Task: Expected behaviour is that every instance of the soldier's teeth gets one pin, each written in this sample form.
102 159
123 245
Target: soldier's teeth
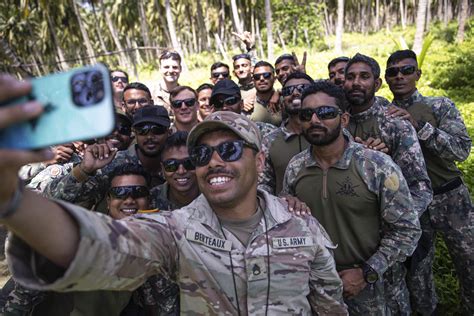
129 210
182 180
219 180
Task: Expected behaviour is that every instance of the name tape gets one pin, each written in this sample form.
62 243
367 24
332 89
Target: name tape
211 242
289 242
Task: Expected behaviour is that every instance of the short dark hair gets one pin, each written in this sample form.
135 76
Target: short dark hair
328 88
263 63
298 75
337 60
136 86
169 54
219 64
175 140
284 57
129 169
360 58
178 89
204 86
401 54
119 70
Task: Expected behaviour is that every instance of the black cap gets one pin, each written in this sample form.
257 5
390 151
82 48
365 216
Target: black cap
225 87
152 114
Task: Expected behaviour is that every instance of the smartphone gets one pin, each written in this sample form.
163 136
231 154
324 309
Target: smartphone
78 105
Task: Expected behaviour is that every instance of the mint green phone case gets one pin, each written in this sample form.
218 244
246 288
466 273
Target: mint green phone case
63 120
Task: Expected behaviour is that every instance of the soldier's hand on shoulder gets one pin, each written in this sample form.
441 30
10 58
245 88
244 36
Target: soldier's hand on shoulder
353 282
296 206
373 143
273 104
97 156
394 111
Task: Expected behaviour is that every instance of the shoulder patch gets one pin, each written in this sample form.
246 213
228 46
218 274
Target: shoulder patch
392 182
54 171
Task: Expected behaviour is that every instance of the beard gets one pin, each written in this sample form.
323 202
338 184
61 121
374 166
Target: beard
323 139
362 99
293 108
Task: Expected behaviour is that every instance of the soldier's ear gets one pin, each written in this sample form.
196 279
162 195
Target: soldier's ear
345 117
418 74
260 161
378 84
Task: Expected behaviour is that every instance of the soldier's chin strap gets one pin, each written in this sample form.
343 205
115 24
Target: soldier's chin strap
268 265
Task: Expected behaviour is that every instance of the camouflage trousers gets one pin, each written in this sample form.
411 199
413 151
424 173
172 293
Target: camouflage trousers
420 278
452 215
388 296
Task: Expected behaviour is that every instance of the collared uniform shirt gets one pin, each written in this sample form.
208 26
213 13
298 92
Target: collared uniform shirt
188 246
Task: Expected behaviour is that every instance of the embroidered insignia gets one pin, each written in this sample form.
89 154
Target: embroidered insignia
347 188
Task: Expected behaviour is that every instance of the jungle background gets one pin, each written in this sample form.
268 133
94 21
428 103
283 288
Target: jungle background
39 37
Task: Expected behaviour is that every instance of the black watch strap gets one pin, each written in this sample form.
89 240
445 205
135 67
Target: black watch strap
370 275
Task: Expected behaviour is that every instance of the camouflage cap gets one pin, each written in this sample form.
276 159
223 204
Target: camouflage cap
237 123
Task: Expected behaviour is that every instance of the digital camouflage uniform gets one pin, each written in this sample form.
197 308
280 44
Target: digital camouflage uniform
364 204
279 147
93 191
444 139
188 246
29 171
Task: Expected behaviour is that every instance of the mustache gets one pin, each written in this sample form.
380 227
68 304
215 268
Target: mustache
221 171
149 141
317 127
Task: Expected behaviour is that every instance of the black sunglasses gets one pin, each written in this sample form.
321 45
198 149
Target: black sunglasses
287 91
405 70
265 75
134 191
153 128
124 130
227 101
116 78
172 165
325 112
218 74
188 102
239 56
228 151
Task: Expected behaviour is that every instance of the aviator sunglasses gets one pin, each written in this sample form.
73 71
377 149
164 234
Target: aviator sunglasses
154 129
188 102
265 75
117 78
172 165
228 151
287 91
404 70
227 101
325 112
134 191
218 74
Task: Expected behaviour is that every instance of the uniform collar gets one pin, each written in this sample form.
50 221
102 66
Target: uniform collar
273 209
416 97
342 163
247 86
286 132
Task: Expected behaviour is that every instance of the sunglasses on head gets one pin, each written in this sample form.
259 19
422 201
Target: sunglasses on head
404 70
153 128
287 91
172 165
124 129
228 151
134 191
227 101
116 78
325 112
239 56
188 102
218 74
265 75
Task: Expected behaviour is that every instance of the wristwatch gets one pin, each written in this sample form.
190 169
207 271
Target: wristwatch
370 275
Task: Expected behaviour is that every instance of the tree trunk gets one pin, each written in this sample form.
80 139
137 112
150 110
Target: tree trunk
60 54
85 36
144 30
428 15
202 29
259 38
339 26
402 15
235 17
268 18
172 31
97 29
220 47
282 41
222 21
420 26
123 59
463 13
377 17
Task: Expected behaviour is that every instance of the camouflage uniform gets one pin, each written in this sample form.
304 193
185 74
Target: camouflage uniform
444 140
93 191
364 203
29 171
188 246
42 179
279 147
261 113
